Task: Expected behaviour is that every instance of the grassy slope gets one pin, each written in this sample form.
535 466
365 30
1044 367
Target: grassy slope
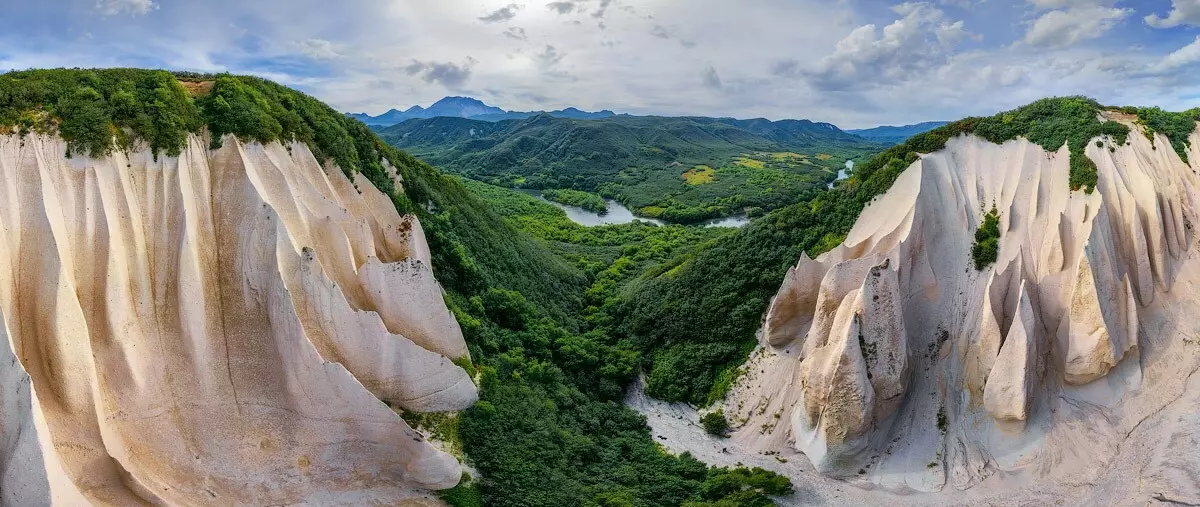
640 161
546 431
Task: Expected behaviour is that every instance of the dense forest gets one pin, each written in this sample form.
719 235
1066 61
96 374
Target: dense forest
577 198
681 170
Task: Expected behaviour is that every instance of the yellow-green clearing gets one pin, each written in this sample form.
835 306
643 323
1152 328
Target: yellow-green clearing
750 163
699 175
651 211
784 155
824 156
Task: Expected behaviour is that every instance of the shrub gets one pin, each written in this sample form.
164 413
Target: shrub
715 423
465 494
987 240
578 198
1177 127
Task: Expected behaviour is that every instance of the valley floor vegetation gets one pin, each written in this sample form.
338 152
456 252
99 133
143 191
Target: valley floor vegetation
577 198
680 170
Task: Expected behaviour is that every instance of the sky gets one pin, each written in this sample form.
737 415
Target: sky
854 63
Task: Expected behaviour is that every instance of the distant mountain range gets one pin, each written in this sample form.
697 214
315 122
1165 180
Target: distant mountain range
896 135
467 107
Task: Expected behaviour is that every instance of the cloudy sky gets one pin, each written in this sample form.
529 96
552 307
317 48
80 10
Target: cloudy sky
855 63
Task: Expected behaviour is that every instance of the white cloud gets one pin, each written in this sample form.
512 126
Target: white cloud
710 78
516 33
951 34
1183 12
450 75
1072 21
502 14
133 7
562 7
918 42
318 49
816 59
548 58
1071 4
1181 57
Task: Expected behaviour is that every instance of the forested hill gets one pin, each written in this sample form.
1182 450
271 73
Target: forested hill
682 169
481 148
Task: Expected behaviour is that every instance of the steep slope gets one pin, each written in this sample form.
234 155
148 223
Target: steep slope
895 135
161 307
192 318
1061 369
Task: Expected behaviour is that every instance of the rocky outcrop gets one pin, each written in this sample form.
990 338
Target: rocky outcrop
1017 367
215 328
857 378
913 369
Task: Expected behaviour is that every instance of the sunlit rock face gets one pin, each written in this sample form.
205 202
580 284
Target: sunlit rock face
219 328
892 360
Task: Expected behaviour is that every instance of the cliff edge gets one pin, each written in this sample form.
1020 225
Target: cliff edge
217 327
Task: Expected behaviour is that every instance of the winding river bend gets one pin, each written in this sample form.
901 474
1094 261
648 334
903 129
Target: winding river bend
619 214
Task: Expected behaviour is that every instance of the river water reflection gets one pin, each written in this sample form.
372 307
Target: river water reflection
619 214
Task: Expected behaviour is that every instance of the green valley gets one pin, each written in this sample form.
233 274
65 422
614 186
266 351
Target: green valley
681 170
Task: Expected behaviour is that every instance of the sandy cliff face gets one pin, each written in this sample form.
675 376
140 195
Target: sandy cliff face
892 361
216 328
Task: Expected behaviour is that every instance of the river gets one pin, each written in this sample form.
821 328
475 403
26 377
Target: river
842 173
619 214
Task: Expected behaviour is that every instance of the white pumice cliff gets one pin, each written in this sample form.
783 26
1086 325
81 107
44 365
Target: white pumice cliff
1063 370
219 328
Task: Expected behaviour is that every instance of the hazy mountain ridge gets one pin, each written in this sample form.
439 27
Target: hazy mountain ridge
467 107
892 135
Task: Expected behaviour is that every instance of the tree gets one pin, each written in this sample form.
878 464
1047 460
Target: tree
715 423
